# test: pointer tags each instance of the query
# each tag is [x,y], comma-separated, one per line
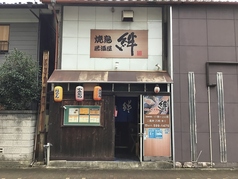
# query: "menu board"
[82,115]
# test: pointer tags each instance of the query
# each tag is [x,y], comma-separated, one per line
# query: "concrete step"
[110,164]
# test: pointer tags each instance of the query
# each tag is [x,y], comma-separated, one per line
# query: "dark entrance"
[126,128]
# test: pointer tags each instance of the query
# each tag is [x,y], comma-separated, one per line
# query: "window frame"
[88,115]
[4,38]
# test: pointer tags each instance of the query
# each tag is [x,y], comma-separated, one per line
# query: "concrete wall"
[77,22]
[17,136]
[202,34]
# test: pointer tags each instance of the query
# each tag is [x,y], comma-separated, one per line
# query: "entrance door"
[142,127]
[156,140]
[126,128]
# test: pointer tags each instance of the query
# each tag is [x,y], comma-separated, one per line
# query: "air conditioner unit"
[127,15]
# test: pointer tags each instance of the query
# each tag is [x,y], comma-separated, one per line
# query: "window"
[4,38]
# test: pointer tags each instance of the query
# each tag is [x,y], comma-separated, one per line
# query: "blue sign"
[155,133]
[158,133]
[151,133]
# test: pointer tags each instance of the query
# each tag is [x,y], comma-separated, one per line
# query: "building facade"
[205,49]
[188,50]
[22,28]
[29,27]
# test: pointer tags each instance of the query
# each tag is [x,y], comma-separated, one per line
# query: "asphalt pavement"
[77,173]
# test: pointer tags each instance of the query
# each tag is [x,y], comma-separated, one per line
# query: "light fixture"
[97,93]
[79,93]
[113,9]
[158,66]
[116,65]
[157,89]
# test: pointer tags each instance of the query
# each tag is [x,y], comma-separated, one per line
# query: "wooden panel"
[4,35]
[82,142]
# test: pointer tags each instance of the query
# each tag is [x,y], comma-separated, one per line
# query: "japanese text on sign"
[119,43]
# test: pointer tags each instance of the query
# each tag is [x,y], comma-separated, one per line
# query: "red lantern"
[97,93]
[79,93]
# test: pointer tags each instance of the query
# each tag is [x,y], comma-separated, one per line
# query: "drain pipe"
[53,4]
[209,85]
[210,123]
[47,147]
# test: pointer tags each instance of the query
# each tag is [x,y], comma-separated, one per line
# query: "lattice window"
[4,38]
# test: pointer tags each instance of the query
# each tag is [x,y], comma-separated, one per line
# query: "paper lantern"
[157,89]
[79,93]
[58,94]
[97,93]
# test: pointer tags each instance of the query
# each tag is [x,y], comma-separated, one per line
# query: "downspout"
[29,4]
[208,64]
[56,39]
[210,123]
[53,2]
[172,86]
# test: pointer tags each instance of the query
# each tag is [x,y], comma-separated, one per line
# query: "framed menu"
[78,115]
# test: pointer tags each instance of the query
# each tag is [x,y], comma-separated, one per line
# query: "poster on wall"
[157,136]
[119,44]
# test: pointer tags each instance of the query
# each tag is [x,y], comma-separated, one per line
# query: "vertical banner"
[157,138]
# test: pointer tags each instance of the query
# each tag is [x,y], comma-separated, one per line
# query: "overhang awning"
[76,76]
[139,2]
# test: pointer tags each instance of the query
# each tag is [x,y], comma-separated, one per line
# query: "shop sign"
[119,44]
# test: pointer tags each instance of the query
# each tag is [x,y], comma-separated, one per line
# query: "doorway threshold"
[125,154]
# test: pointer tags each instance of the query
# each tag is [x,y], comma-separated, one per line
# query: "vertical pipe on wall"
[221,117]
[172,87]
[192,116]
[56,36]
[210,123]
[141,134]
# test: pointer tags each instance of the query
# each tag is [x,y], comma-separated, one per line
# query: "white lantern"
[79,93]
[157,89]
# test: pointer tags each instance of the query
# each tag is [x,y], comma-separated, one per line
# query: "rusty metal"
[76,76]
[138,2]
